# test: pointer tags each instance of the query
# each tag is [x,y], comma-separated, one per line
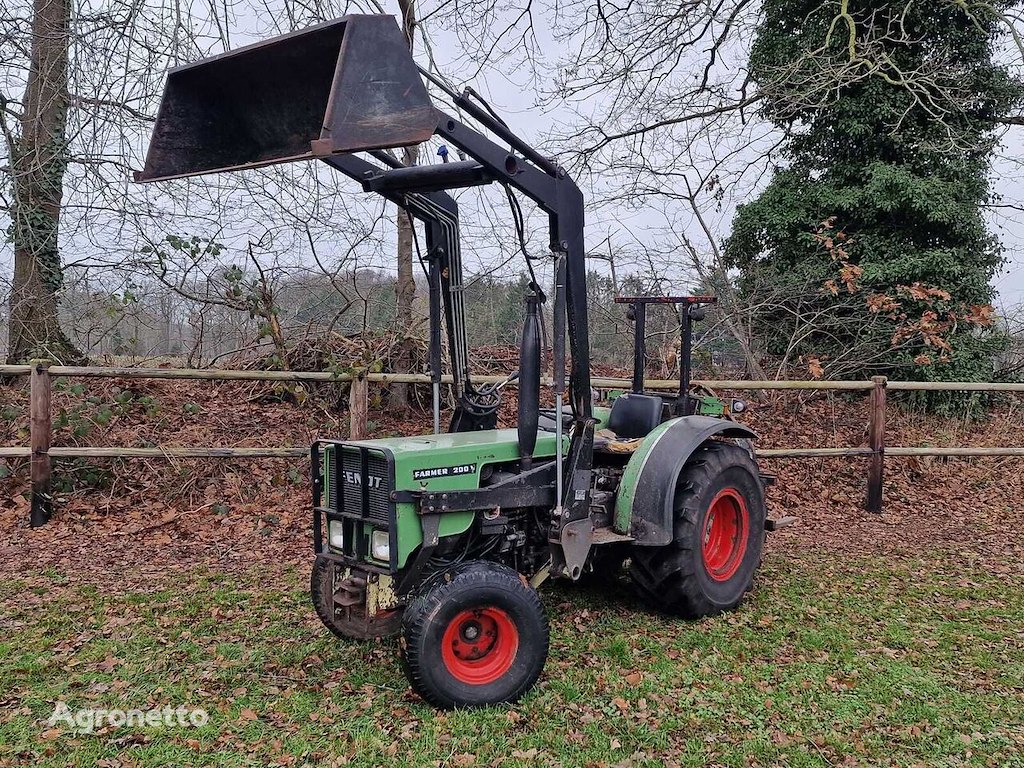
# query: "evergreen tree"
[868,252]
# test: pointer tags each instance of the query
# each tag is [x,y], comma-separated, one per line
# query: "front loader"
[445,537]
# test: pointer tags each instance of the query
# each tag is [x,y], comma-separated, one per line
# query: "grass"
[859,662]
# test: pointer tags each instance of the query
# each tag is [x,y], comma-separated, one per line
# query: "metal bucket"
[344,86]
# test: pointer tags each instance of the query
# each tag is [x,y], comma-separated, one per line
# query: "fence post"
[876,440]
[39,429]
[358,405]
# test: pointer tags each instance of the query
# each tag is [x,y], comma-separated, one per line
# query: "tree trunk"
[39,159]
[405,287]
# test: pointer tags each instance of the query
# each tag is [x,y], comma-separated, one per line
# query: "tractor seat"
[635,415]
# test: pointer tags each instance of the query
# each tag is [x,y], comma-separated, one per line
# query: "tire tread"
[664,577]
[422,609]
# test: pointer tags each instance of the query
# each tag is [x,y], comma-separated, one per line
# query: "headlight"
[737,406]
[336,534]
[380,546]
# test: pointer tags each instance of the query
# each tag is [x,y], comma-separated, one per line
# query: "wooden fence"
[40,451]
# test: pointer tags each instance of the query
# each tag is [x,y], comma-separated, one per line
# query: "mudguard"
[643,508]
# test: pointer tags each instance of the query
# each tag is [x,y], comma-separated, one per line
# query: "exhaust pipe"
[345,86]
[529,381]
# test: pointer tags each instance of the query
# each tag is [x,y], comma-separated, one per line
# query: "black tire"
[348,623]
[709,567]
[475,635]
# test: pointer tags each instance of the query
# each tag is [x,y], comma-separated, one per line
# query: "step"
[609,536]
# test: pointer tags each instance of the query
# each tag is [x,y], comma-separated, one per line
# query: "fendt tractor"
[446,537]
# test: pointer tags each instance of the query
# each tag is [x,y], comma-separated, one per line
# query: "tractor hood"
[453,461]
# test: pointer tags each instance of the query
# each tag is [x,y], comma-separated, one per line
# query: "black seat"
[634,415]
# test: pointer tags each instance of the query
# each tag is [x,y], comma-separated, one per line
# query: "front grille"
[380,485]
[357,482]
[347,486]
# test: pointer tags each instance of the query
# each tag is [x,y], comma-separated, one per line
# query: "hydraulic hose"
[529,381]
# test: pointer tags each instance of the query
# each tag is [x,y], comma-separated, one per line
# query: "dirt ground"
[141,515]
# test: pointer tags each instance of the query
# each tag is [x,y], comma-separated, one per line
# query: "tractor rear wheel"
[475,635]
[350,623]
[719,534]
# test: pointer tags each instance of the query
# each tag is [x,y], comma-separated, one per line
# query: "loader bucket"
[344,86]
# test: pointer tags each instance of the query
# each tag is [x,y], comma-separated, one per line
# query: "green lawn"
[831,662]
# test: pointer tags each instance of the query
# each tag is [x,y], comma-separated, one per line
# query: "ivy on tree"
[868,253]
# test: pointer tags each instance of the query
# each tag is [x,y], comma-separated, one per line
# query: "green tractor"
[446,537]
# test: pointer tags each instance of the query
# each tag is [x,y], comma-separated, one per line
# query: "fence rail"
[41,375]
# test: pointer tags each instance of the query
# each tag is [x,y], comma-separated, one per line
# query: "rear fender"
[643,508]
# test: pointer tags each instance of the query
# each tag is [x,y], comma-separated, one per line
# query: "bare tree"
[666,117]
[38,158]
[654,114]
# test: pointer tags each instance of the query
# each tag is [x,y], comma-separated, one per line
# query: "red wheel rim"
[479,645]
[725,534]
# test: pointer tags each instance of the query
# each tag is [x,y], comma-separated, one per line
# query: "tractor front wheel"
[475,635]
[719,534]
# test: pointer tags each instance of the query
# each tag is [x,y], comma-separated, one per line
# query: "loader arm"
[351,85]
[555,193]
[440,214]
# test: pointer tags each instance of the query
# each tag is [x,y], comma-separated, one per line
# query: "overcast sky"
[512,94]
[519,105]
